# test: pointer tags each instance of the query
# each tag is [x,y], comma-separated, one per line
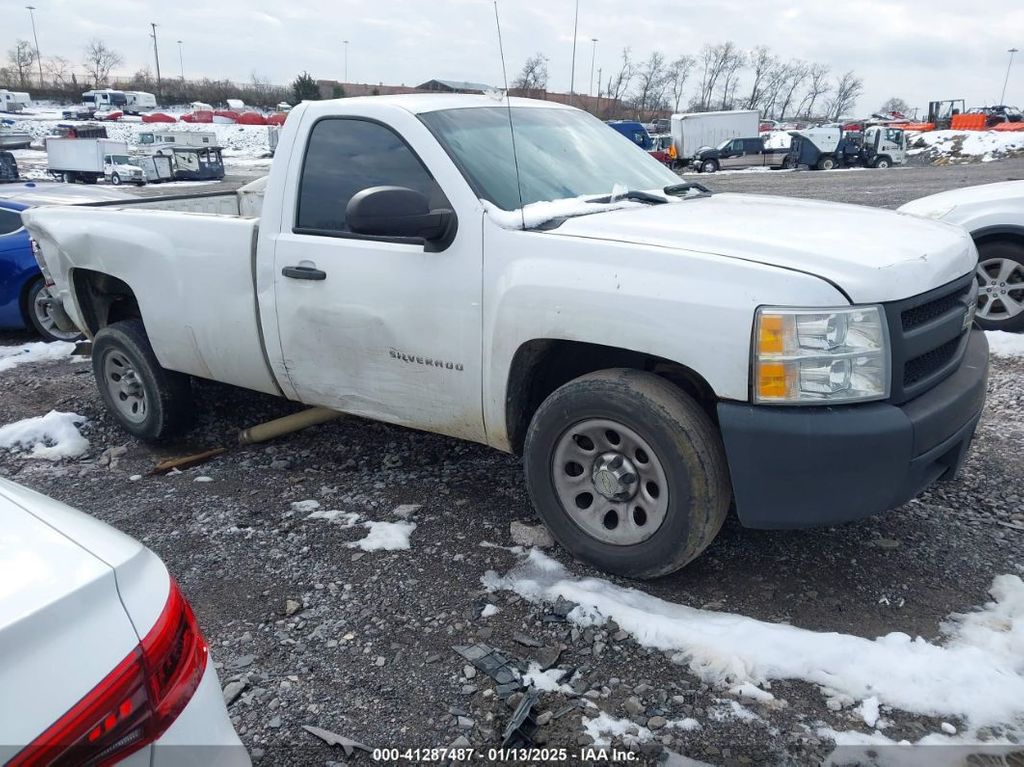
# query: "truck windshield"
[121,159]
[562,154]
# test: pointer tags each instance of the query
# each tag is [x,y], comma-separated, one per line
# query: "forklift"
[941,113]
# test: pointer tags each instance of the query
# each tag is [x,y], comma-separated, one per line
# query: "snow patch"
[869,711]
[549,681]
[966,145]
[976,673]
[489,610]
[301,507]
[1000,343]
[38,351]
[854,747]
[603,727]
[344,519]
[49,437]
[386,536]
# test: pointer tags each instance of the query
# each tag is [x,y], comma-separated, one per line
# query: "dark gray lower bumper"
[814,466]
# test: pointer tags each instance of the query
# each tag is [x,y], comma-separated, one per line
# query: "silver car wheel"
[43,312]
[610,482]
[1000,289]
[125,387]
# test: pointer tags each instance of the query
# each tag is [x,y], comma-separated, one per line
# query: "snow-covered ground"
[975,674]
[50,437]
[36,351]
[1000,344]
[966,146]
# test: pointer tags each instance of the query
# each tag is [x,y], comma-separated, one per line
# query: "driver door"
[375,326]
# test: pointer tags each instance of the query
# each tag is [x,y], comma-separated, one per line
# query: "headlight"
[820,356]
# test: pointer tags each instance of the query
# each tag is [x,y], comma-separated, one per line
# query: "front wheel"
[627,472]
[152,403]
[1000,276]
[115,179]
[883,162]
[39,305]
[709,166]
[826,163]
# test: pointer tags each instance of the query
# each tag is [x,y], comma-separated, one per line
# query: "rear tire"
[152,403]
[649,513]
[826,163]
[69,177]
[1000,276]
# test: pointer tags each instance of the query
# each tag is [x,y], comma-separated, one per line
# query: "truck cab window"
[344,157]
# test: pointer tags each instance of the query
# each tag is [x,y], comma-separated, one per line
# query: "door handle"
[304,273]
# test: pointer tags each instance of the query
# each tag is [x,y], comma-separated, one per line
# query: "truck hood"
[871,254]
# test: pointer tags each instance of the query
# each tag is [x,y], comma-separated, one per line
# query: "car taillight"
[136,702]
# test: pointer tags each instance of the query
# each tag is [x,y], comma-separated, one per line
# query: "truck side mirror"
[395,211]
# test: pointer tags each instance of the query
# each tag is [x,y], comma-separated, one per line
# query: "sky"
[917,50]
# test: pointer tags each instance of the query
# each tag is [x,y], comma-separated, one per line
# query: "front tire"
[152,403]
[883,162]
[115,179]
[627,472]
[709,166]
[37,309]
[826,163]
[1000,275]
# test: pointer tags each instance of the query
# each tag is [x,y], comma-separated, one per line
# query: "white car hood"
[871,254]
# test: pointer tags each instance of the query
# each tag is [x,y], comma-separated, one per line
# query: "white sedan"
[101,659]
[994,216]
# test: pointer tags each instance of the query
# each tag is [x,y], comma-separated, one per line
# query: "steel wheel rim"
[44,316]
[595,490]
[125,387]
[1000,289]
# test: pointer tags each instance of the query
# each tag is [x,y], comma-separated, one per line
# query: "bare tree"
[895,104]
[678,73]
[816,89]
[652,80]
[764,65]
[22,56]
[848,88]
[733,60]
[711,64]
[533,79]
[59,70]
[99,60]
[793,75]
[618,83]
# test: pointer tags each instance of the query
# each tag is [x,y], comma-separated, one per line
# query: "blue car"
[634,131]
[24,299]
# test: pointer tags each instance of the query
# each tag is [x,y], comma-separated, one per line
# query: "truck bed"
[191,274]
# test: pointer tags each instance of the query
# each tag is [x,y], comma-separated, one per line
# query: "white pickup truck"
[654,351]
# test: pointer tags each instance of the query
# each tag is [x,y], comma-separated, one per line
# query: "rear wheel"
[69,177]
[826,163]
[1000,275]
[39,308]
[627,472]
[152,403]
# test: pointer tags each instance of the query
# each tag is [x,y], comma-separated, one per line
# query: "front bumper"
[816,466]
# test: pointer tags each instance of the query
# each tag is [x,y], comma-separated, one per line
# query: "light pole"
[346,59]
[156,54]
[181,62]
[593,56]
[572,76]
[1002,98]
[39,59]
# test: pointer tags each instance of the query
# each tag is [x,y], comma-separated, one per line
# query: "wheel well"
[1015,236]
[541,366]
[103,300]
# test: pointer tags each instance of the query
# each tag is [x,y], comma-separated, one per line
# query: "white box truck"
[694,131]
[89,159]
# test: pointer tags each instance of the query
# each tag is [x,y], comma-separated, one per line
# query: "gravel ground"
[306,630]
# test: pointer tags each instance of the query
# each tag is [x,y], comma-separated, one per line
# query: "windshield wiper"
[635,195]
